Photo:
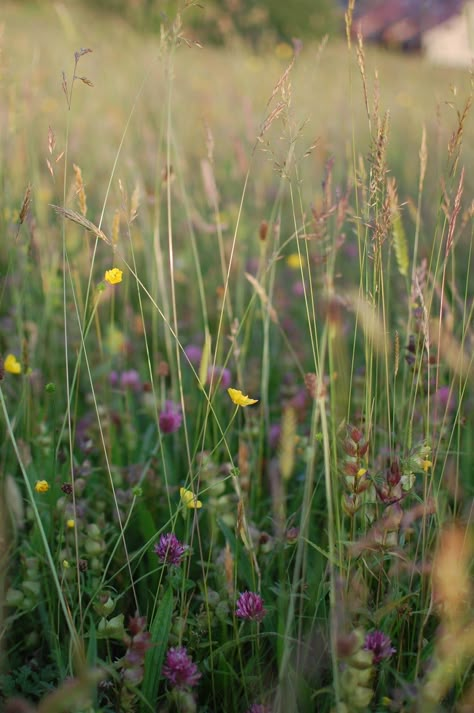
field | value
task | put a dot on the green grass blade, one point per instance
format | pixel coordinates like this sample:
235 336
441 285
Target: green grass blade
159 630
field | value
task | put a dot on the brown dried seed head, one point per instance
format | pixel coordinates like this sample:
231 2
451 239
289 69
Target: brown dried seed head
80 53
51 140
75 217
80 191
25 205
84 80
163 369
263 230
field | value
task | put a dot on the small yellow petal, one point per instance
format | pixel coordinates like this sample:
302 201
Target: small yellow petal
426 464
113 276
295 261
41 486
71 524
239 399
12 365
189 499
361 472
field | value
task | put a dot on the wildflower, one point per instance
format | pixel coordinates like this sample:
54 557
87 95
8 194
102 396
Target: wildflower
219 374
12 365
380 644
179 668
274 435
194 354
250 607
130 380
113 276
41 486
295 261
169 549
444 401
189 499
259 708
138 644
170 418
239 399
70 524
66 564
426 464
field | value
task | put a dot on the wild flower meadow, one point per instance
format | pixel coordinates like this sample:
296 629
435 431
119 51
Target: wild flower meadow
236 382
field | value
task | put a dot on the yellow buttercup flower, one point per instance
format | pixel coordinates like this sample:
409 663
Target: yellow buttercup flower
113 276
71 524
189 499
426 464
12 365
41 486
295 261
239 399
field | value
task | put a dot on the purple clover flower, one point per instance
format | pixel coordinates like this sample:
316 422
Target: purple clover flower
179 668
250 607
169 549
274 435
170 418
130 380
194 354
219 374
380 644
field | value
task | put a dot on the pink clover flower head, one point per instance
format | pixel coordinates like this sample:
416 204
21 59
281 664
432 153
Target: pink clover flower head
298 288
194 354
221 375
130 380
179 668
250 607
169 549
380 644
274 435
170 418
444 401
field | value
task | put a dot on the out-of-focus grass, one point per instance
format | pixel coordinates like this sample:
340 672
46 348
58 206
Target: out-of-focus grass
227 89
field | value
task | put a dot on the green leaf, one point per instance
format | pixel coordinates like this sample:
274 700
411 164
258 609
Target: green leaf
159 629
401 246
92 645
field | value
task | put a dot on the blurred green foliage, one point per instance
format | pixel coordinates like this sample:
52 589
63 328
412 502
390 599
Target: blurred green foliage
220 20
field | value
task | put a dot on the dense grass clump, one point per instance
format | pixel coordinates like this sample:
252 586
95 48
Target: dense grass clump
236 375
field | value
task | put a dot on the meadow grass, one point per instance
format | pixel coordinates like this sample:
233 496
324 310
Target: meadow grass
295 226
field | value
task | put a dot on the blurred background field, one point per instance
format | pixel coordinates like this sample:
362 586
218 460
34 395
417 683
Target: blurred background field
223 88
293 218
